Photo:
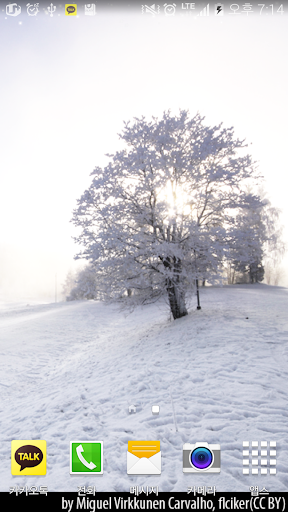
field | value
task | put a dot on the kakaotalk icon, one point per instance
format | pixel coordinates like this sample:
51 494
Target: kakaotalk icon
28 457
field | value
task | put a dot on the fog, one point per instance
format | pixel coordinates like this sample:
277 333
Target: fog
67 87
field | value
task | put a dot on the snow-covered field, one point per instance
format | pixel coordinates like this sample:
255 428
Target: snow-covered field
69 371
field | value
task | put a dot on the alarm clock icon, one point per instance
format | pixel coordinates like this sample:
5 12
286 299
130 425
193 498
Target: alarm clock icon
32 10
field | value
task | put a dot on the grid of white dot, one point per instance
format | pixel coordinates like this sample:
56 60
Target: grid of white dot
258 451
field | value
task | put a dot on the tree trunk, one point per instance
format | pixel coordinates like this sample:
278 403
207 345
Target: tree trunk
176 300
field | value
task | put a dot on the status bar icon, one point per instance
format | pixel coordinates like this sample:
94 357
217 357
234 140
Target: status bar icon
219 10
13 10
51 9
71 9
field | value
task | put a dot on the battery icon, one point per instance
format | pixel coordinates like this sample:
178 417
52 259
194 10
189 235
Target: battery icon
219 9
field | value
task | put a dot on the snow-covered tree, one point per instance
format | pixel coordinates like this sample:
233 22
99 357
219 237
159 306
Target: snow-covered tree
247 250
160 214
85 285
69 283
275 247
258 237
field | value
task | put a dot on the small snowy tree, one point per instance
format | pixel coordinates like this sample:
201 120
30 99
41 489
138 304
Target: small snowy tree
274 248
158 216
247 248
257 240
69 283
85 285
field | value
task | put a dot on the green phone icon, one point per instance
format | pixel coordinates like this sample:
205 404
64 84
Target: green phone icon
86 457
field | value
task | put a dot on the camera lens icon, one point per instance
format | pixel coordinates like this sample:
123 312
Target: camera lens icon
201 458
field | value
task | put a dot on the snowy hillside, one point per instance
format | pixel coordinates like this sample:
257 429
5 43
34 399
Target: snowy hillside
71 370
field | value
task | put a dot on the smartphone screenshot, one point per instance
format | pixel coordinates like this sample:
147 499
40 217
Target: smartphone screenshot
143 255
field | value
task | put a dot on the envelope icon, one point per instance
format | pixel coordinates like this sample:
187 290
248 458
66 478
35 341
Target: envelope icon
144 458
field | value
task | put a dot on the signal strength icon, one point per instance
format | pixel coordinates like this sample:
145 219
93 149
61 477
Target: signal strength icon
205 11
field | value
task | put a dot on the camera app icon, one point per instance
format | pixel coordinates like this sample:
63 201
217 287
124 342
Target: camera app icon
201 457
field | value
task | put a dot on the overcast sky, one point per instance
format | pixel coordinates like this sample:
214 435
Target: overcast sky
68 84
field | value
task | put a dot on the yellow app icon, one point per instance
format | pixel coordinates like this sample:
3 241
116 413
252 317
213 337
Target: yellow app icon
144 458
70 9
28 457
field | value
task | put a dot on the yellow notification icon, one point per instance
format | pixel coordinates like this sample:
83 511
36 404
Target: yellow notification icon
71 9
